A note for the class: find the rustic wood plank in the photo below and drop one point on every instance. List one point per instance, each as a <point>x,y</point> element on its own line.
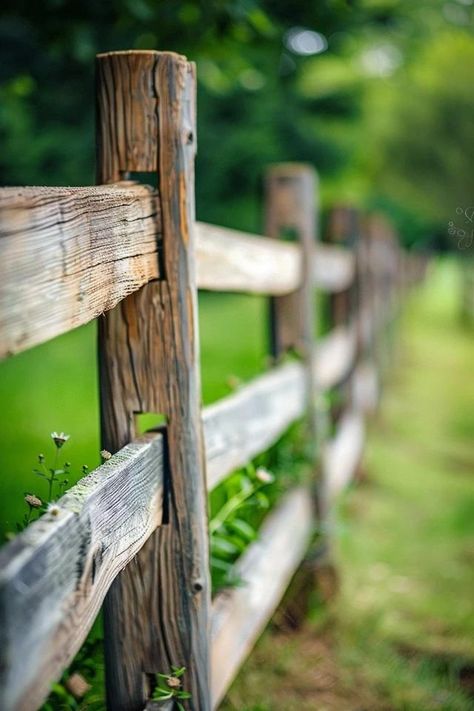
<point>333,268</point>
<point>335,356</point>
<point>247,422</point>
<point>54,576</point>
<point>343,453</point>
<point>230,260</point>
<point>156,612</point>
<point>68,254</point>
<point>239,615</point>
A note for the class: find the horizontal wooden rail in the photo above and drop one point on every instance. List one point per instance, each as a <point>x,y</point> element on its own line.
<point>53,578</point>
<point>242,425</point>
<point>69,254</point>
<point>343,453</point>
<point>247,422</point>
<point>365,387</point>
<point>335,356</point>
<point>265,569</point>
<point>230,260</point>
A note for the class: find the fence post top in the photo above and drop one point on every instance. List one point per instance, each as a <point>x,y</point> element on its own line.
<point>291,170</point>
<point>141,53</point>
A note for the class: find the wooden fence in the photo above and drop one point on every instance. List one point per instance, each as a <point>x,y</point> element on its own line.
<point>133,533</point>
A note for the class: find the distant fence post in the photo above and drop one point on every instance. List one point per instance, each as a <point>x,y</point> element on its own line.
<point>342,230</point>
<point>290,213</point>
<point>156,612</point>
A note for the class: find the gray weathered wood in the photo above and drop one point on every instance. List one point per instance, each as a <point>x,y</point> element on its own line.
<point>156,612</point>
<point>335,356</point>
<point>68,254</point>
<point>343,453</point>
<point>247,422</point>
<point>230,260</point>
<point>240,614</point>
<point>54,576</point>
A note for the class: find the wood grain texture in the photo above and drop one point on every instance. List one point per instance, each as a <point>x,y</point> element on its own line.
<point>69,254</point>
<point>156,612</point>
<point>54,576</point>
<point>266,568</point>
<point>127,117</point>
<point>343,453</point>
<point>247,422</point>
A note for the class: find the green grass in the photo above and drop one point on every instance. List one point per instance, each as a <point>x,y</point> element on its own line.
<point>401,633</point>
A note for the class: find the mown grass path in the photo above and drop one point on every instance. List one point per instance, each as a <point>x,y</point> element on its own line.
<point>401,633</point>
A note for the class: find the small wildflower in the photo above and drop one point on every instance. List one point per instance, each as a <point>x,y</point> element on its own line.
<point>33,501</point>
<point>77,685</point>
<point>105,455</point>
<point>173,682</point>
<point>264,475</point>
<point>53,509</point>
<point>59,438</point>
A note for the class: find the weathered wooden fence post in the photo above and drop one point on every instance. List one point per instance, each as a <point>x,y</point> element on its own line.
<point>290,213</point>
<point>156,612</point>
<point>342,230</point>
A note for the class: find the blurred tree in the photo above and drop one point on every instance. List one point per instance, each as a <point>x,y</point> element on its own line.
<point>423,132</point>
<point>277,81</point>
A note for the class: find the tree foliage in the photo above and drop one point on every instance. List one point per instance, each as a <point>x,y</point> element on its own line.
<point>365,111</point>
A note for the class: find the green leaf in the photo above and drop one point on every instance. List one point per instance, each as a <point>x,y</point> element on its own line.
<point>220,564</point>
<point>223,547</point>
<point>178,671</point>
<point>244,529</point>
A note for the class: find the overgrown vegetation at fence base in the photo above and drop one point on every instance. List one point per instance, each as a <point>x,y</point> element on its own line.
<point>134,533</point>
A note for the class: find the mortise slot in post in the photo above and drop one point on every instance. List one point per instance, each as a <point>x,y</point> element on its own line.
<point>148,177</point>
<point>149,422</point>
